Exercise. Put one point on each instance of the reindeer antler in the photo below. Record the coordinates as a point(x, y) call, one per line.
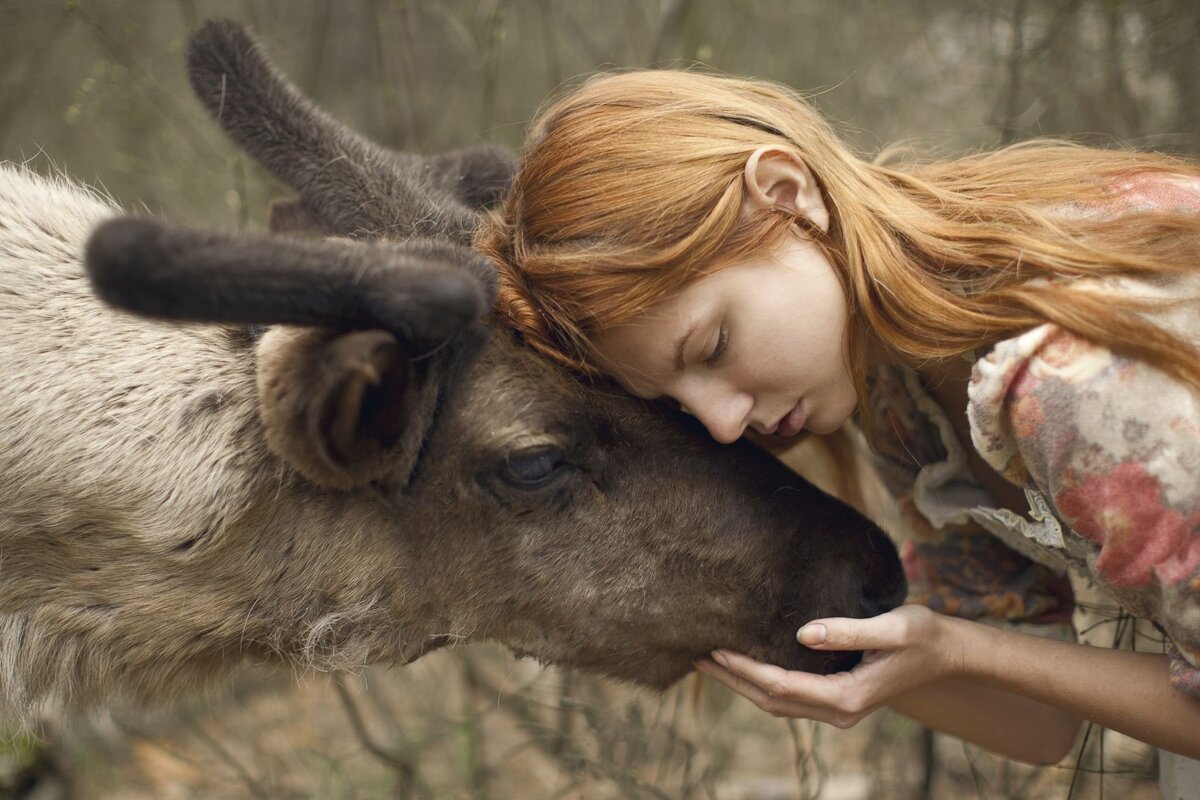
point(415, 290)
point(352, 185)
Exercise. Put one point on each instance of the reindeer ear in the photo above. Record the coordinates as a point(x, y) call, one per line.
point(337, 406)
point(478, 175)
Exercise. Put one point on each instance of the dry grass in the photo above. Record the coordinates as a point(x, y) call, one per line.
point(474, 723)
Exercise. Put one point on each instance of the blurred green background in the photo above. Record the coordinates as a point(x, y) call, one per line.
point(96, 89)
point(97, 86)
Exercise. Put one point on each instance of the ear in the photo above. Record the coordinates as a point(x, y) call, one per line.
point(776, 177)
point(478, 175)
point(339, 407)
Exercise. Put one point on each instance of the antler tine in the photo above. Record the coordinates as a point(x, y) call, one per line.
point(416, 290)
point(354, 186)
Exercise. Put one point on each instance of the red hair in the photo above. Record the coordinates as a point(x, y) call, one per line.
point(632, 186)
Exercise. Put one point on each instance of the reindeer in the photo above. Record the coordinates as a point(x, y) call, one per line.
point(325, 453)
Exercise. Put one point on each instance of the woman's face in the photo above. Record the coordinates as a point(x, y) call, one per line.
point(760, 344)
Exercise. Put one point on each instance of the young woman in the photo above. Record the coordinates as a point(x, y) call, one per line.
point(1018, 333)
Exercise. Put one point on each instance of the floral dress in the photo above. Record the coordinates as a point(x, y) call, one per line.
point(1106, 448)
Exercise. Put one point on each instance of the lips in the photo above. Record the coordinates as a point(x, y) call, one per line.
point(793, 422)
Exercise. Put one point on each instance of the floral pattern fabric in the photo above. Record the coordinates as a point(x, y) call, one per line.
point(1107, 449)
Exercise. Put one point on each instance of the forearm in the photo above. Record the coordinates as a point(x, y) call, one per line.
point(1126, 692)
point(1001, 721)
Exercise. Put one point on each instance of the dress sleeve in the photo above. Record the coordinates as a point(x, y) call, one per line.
point(954, 567)
point(1114, 445)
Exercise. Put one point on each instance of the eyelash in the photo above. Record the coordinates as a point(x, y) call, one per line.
point(722, 344)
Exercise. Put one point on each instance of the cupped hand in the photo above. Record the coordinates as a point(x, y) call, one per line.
point(903, 649)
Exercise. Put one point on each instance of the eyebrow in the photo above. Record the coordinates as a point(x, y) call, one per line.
point(680, 342)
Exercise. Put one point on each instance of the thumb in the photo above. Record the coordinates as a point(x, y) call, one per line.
point(885, 632)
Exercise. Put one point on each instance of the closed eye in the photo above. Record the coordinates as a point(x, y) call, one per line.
point(532, 467)
point(722, 344)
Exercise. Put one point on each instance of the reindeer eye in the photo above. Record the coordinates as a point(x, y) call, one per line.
point(532, 467)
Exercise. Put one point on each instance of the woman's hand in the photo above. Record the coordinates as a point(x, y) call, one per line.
point(1018, 695)
point(904, 649)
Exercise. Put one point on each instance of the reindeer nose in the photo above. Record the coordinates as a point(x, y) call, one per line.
point(880, 602)
point(881, 596)
point(885, 585)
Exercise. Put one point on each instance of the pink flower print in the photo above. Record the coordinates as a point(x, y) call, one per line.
point(1069, 358)
point(1123, 511)
point(1157, 191)
point(1027, 416)
point(1164, 191)
point(1184, 675)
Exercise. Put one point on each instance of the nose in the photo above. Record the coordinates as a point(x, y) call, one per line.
point(721, 410)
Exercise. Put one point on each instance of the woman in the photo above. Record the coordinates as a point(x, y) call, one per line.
point(1017, 332)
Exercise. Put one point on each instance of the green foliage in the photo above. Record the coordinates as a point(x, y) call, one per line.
point(97, 87)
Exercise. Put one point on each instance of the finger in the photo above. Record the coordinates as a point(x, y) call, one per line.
point(810, 689)
point(888, 631)
point(772, 679)
point(778, 706)
point(756, 694)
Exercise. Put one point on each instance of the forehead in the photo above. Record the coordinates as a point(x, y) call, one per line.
point(638, 353)
point(641, 354)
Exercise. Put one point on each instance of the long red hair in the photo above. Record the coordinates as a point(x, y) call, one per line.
point(632, 185)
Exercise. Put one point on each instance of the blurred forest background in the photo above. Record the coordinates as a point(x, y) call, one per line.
point(96, 89)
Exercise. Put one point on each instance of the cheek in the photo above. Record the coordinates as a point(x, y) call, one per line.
point(822, 320)
point(834, 409)
point(847, 399)
point(839, 350)
point(844, 383)
point(827, 347)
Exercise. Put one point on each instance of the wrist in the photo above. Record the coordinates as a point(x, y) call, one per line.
point(964, 646)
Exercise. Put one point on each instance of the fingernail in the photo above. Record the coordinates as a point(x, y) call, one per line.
point(812, 633)
point(720, 658)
